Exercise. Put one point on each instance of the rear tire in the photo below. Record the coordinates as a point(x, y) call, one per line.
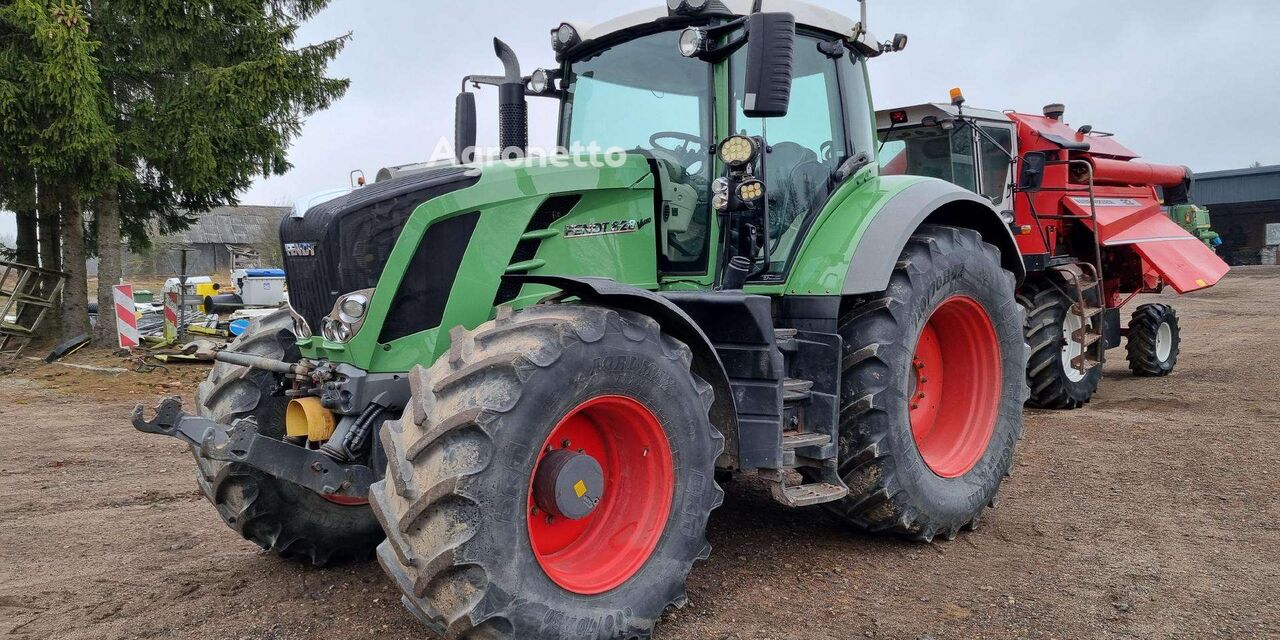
point(1054, 383)
point(1155, 340)
point(899, 484)
point(274, 514)
point(457, 502)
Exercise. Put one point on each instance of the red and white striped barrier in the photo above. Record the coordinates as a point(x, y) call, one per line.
point(171, 302)
point(126, 317)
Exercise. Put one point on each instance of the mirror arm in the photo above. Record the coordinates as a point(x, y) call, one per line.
point(718, 54)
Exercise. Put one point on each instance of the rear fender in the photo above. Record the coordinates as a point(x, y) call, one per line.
point(674, 322)
point(925, 202)
point(855, 243)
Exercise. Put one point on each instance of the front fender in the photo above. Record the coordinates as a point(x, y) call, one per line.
point(674, 322)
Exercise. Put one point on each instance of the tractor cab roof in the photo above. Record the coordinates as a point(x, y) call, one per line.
point(806, 14)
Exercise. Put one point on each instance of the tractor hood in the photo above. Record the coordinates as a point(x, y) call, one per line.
point(341, 246)
point(434, 248)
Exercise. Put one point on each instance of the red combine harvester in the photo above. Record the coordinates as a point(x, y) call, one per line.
point(1089, 220)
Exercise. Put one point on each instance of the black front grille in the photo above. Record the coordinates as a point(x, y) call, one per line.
point(342, 246)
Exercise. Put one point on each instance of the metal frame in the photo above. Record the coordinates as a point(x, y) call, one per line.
point(21, 287)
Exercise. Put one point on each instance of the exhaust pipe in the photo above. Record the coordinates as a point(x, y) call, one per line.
point(513, 107)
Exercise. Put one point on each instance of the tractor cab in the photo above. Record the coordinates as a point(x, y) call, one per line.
point(673, 84)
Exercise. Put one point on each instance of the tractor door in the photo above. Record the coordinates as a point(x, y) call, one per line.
point(829, 107)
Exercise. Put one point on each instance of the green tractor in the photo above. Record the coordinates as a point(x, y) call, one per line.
point(518, 382)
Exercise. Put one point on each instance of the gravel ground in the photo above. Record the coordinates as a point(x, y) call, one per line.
point(1153, 513)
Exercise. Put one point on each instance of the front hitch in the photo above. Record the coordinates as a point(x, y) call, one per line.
point(241, 443)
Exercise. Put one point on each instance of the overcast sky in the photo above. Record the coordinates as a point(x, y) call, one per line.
point(1179, 81)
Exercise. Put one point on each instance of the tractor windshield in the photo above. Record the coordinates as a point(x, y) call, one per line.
point(642, 95)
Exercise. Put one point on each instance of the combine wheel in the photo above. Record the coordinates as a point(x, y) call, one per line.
point(274, 514)
point(933, 389)
point(551, 478)
point(1055, 383)
point(1154, 341)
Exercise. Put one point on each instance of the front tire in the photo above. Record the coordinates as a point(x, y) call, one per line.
point(274, 514)
point(1155, 340)
point(471, 542)
point(933, 389)
point(1054, 382)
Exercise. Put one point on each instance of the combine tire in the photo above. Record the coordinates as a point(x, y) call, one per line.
point(1054, 382)
point(933, 389)
point(1154, 341)
point(277, 515)
point(551, 478)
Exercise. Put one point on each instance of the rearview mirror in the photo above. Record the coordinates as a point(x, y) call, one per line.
point(1032, 177)
point(464, 128)
point(770, 64)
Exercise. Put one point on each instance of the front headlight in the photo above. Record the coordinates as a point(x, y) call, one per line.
point(353, 308)
point(348, 316)
point(335, 330)
point(738, 151)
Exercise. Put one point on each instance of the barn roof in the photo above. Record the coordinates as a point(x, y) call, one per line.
point(232, 225)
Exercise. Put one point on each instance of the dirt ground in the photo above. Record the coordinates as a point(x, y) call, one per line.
point(1153, 513)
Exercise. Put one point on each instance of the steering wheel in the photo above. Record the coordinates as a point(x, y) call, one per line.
point(687, 158)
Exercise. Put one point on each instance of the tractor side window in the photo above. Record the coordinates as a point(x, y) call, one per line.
point(643, 96)
point(807, 145)
point(995, 162)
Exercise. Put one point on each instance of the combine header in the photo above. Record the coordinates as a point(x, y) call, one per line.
point(1091, 223)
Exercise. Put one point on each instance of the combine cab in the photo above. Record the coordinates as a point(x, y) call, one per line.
point(1091, 222)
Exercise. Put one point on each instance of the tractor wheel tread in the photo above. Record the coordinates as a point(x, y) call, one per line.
point(279, 517)
point(880, 501)
point(437, 547)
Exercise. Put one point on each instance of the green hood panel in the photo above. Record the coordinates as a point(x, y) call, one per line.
point(611, 234)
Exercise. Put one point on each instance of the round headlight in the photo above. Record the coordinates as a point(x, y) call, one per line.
point(565, 36)
point(738, 151)
point(721, 185)
point(540, 81)
point(353, 308)
point(720, 201)
point(336, 331)
point(686, 6)
point(692, 42)
point(751, 190)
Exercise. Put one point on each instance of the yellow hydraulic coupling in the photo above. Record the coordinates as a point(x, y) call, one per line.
point(307, 418)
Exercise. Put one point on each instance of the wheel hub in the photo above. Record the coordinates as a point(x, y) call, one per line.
point(568, 484)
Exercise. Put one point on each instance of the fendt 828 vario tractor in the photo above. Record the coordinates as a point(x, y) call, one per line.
point(527, 377)
point(1091, 223)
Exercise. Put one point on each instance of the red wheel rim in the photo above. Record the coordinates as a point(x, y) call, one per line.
point(600, 552)
point(344, 501)
point(955, 398)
